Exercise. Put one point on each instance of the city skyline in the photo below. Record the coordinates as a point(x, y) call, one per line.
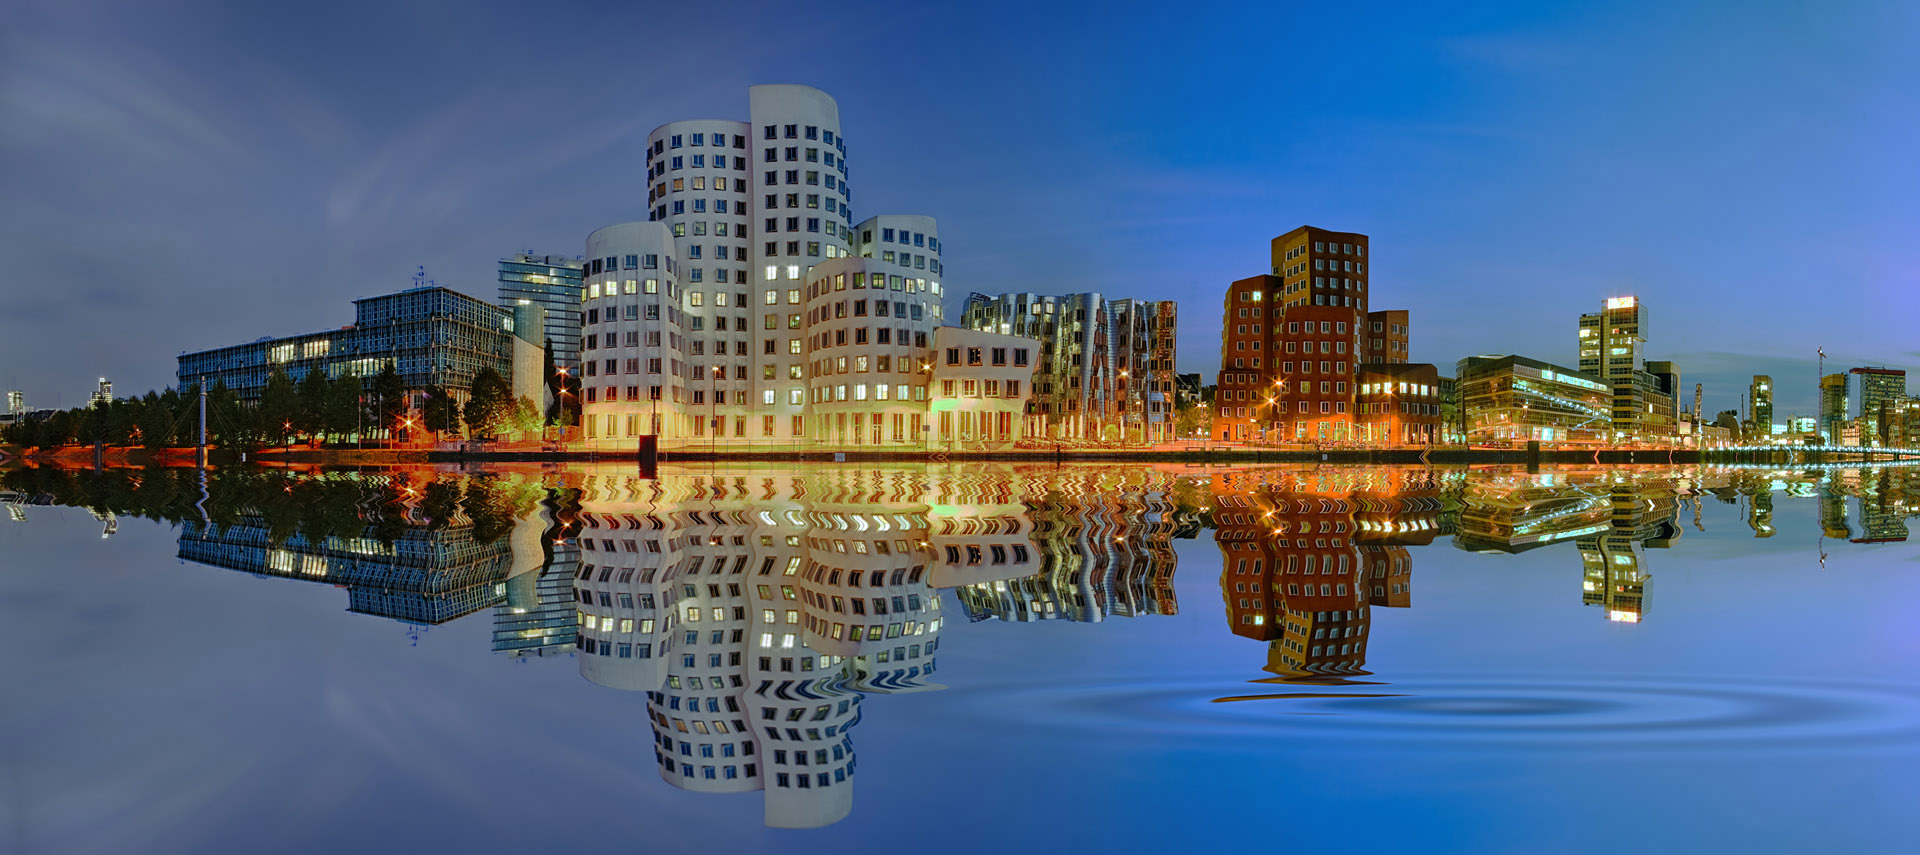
point(1483, 190)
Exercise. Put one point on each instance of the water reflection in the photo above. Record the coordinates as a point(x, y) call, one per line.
point(760, 610)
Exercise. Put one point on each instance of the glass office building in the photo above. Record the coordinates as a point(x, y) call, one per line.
point(554, 284)
point(432, 336)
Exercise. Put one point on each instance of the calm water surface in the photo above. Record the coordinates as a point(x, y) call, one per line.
point(959, 659)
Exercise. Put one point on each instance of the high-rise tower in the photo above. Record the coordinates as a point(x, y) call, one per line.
point(1760, 404)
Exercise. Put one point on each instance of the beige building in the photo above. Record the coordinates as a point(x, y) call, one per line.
point(980, 384)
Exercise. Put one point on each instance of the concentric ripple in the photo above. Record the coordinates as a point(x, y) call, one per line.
point(1551, 710)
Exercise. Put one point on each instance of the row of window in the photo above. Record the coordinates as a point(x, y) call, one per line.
point(881, 336)
point(812, 132)
point(794, 154)
point(719, 140)
point(998, 356)
point(858, 309)
point(859, 392)
point(659, 168)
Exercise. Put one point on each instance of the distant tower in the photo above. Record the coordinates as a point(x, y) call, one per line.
point(103, 393)
point(1697, 389)
point(1610, 348)
point(1760, 404)
point(16, 403)
point(1833, 405)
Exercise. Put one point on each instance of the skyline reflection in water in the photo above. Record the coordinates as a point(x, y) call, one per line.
point(759, 611)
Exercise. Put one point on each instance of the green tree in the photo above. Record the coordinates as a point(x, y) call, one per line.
point(279, 407)
point(310, 414)
point(1191, 419)
point(389, 398)
point(526, 417)
point(439, 412)
point(489, 404)
point(153, 425)
point(343, 414)
point(231, 423)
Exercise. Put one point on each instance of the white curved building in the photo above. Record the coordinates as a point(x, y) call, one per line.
point(633, 382)
point(758, 215)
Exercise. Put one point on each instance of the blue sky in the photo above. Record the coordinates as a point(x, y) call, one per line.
point(189, 175)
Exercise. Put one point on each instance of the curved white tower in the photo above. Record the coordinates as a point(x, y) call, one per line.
point(632, 331)
point(867, 338)
point(756, 212)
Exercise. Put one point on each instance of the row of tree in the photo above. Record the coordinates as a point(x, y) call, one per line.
point(316, 506)
point(314, 409)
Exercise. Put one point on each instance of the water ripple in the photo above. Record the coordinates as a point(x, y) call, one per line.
point(1547, 711)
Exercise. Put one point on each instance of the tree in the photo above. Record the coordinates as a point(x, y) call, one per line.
point(311, 415)
point(1191, 419)
point(279, 406)
point(342, 414)
point(152, 423)
point(439, 412)
point(233, 424)
point(526, 417)
point(489, 404)
point(390, 398)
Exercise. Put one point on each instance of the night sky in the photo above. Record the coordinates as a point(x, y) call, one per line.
point(184, 175)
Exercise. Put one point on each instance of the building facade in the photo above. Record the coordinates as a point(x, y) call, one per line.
point(552, 283)
point(1507, 399)
point(432, 336)
point(1833, 406)
point(1106, 366)
point(1611, 346)
point(1294, 343)
point(1881, 390)
point(749, 308)
point(1759, 406)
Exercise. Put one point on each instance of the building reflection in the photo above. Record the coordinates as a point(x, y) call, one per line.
point(1611, 518)
point(1307, 555)
point(760, 610)
point(757, 609)
point(1613, 563)
point(1104, 537)
point(420, 558)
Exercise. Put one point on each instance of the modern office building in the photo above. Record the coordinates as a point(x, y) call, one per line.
point(1399, 403)
point(848, 356)
point(1759, 406)
point(432, 336)
point(554, 284)
point(750, 309)
point(1880, 391)
point(1453, 421)
point(1833, 406)
point(1295, 341)
point(16, 403)
point(1644, 406)
point(1506, 399)
point(977, 398)
point(102, 393)
point(1106, 366)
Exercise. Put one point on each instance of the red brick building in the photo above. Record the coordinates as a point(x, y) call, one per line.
point(1295, 342)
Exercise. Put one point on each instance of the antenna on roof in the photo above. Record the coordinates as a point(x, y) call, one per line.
point(419, 275)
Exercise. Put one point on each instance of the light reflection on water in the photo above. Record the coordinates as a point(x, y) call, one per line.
point(759, 612)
